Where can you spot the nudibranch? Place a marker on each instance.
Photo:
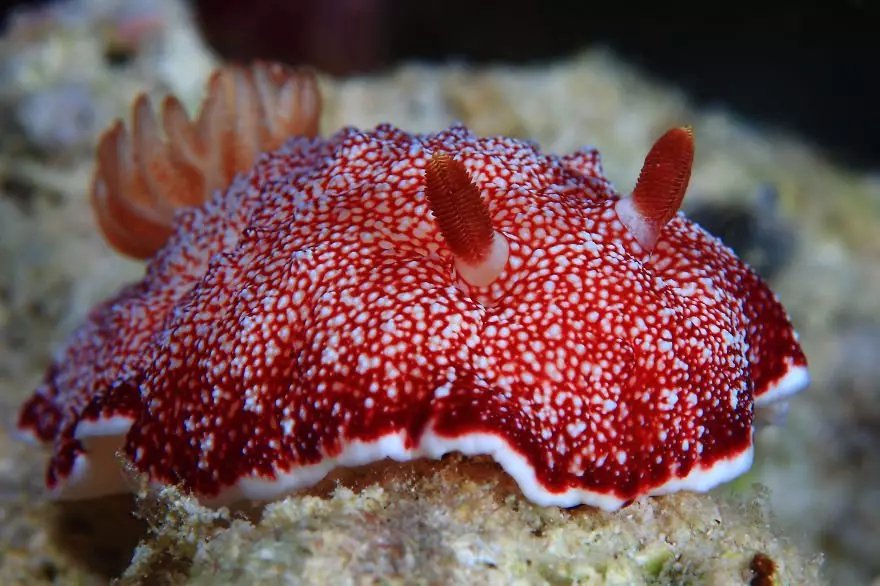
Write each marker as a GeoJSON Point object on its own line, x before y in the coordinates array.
{"type": "Point", "coordinates": [314, 303]}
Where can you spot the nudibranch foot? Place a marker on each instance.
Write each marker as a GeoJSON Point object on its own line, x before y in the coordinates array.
{"type": "Point", "coordinates": [99, 470]}
{"type": "Point", "coordinates": [771, 406]}
{"type": "Point", "coordinates": [795, 379]}
{"type": "Point", "coordinates": [303, 316]}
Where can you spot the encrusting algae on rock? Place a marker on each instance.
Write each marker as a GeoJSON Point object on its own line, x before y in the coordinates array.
{"type": "Point", "coordinates": [459, 521]}
{"type": "Point", "coordinates": [380, 294]}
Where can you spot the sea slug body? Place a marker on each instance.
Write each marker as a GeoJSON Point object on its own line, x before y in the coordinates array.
{"type": "Point", "coordinates": [379, 294]}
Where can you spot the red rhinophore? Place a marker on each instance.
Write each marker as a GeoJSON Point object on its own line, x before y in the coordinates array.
{"type": "Point", "coordinates": [660, 188]}
{"type": "Point", "coordinates": [663, 181]}
{"type": "Point", "coordinates": [456, 203]}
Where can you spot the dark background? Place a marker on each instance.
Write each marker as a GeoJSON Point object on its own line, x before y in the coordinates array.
{"type": "Point", "coordinates": [810, 68]}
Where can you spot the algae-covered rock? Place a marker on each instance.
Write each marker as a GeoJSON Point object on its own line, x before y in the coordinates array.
{"type": "Point", "coordinates": [460, 522]}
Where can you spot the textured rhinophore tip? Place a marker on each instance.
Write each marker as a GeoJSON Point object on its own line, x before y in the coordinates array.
{"type": "Point", "coordinates": [660, 188]}
{"type": "Point", "coordinates": [463, 219]}
{"type": "Point", "coordinates": [306, 318]}
{"type": "Point", "coordinates": [458, 207]}
{"type": "Point", "coordinates": [142, 179]}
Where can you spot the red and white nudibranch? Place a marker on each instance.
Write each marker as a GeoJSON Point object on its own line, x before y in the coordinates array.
{"type": "Point", "coordinates": [382, 294]}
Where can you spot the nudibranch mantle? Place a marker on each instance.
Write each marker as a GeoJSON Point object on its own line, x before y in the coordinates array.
{"type": "Point", "coordinates": [312, 316]}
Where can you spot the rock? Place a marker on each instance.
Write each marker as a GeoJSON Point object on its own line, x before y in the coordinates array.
{"type": "Point", "coordinates": [458, 522]}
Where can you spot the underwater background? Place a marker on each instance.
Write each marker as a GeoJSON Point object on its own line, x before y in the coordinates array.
{"type": "Point", "coordinates": [782, 98]}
